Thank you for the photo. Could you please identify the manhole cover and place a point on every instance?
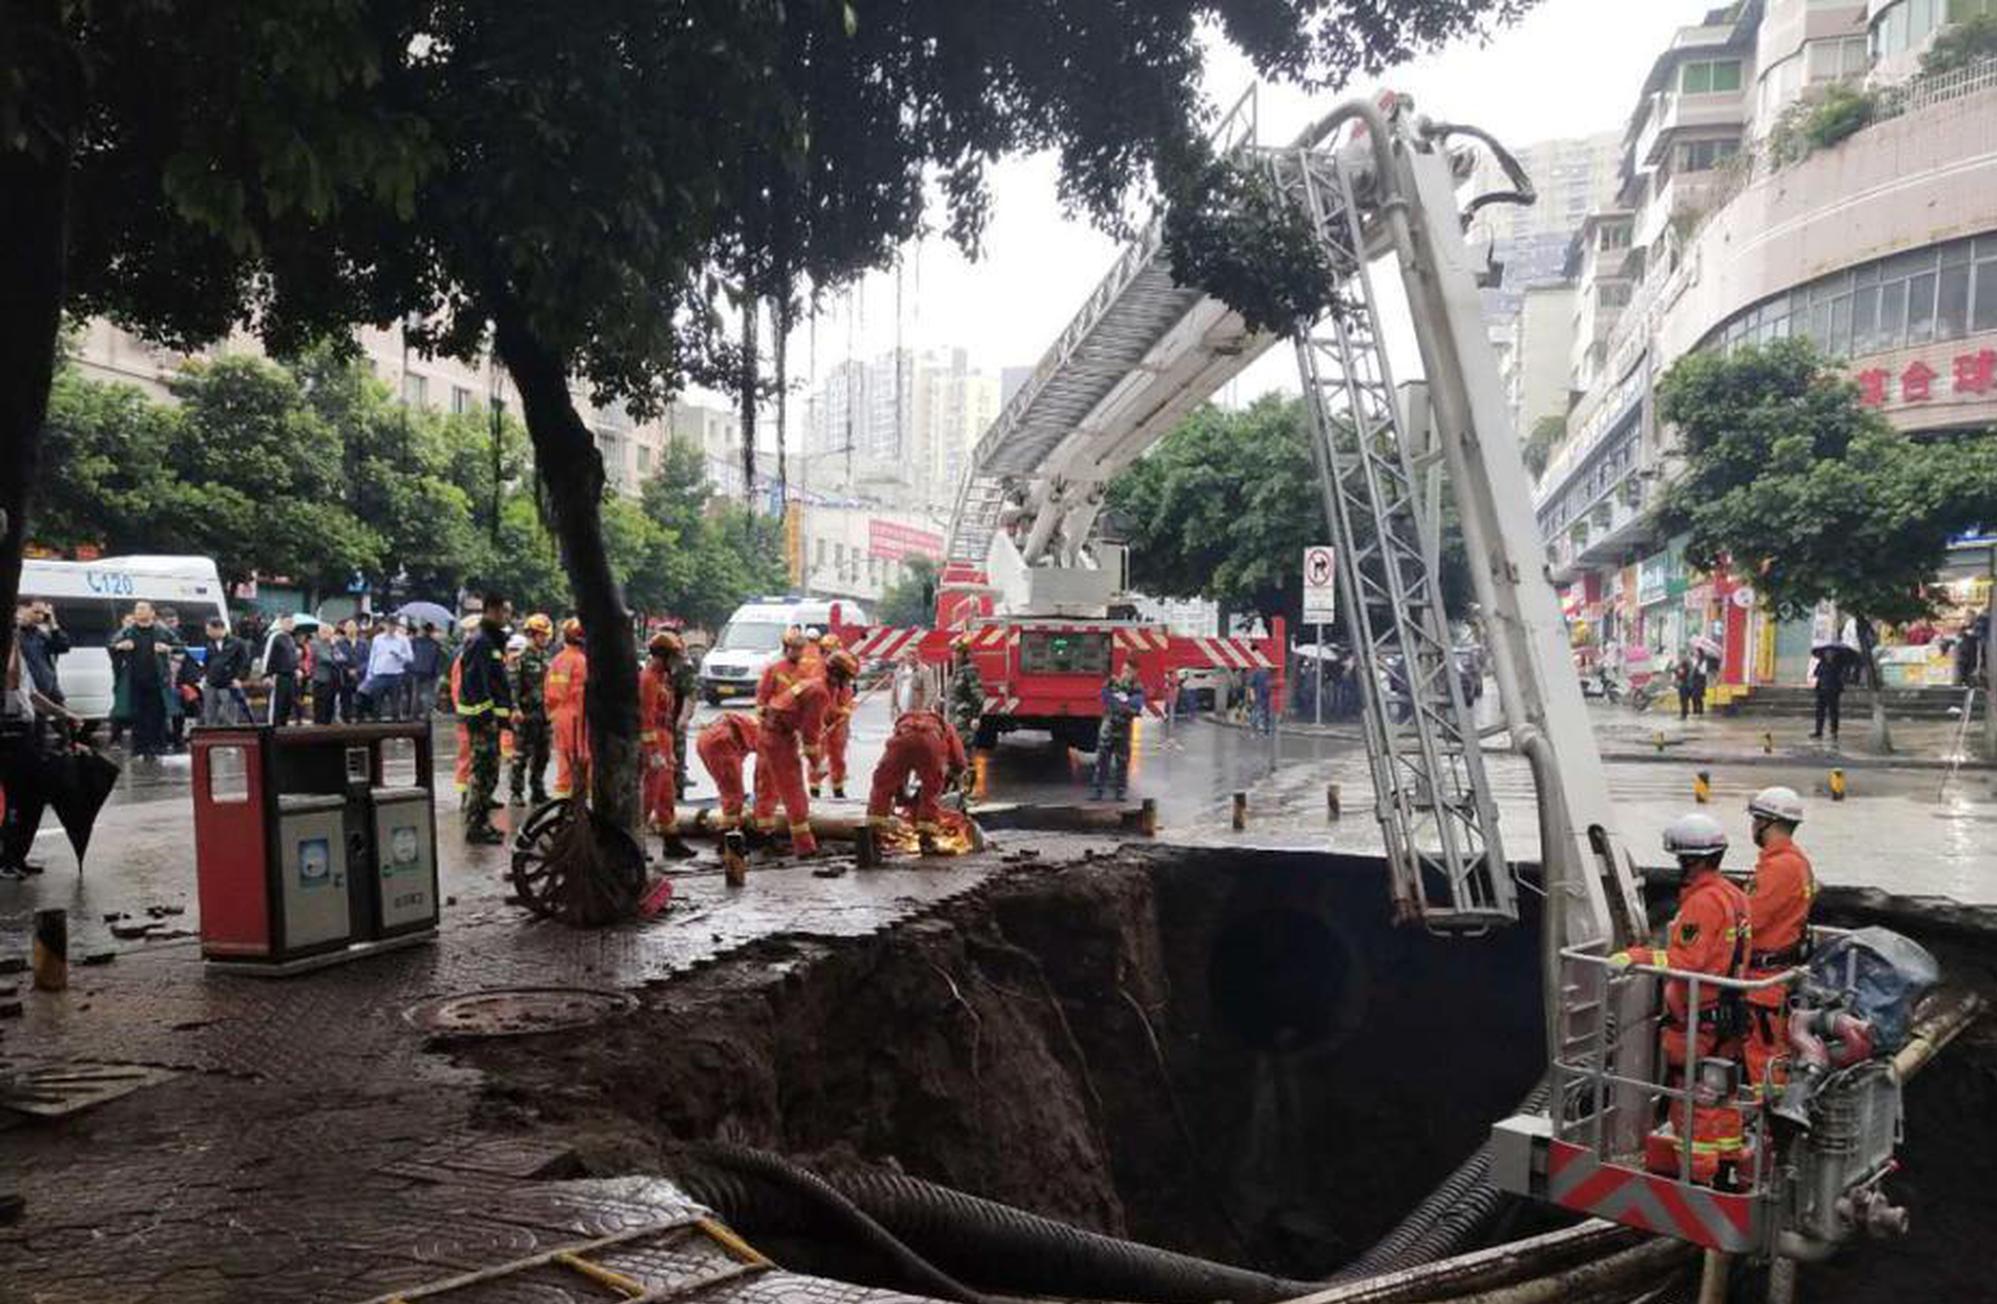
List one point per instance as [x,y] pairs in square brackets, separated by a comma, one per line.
[516,1011]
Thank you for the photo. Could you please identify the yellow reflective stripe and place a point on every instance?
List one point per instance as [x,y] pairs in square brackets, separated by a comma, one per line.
[474,708]
[801,828]
[879,821]
[1720,1146]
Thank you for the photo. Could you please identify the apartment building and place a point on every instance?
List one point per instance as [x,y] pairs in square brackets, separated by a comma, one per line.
[1882,249]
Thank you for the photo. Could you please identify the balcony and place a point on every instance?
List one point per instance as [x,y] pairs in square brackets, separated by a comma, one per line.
[1685,194]
[1674,111]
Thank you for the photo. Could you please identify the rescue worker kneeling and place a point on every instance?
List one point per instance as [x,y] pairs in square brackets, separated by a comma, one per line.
[1708,935]
[925,744]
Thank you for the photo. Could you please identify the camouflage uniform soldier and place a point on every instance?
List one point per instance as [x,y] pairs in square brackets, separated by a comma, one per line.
[484,705]
[967,694]
[530,713]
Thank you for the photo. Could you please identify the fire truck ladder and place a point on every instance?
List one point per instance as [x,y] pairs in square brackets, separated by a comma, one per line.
[1432,798]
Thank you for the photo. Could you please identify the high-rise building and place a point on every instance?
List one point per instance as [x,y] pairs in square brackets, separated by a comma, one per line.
[895,428]
[1572,178]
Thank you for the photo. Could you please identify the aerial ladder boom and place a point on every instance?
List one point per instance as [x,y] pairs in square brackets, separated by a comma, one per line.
[1378,185]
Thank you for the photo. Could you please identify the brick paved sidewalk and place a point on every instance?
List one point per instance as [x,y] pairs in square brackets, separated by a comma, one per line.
[311,1144]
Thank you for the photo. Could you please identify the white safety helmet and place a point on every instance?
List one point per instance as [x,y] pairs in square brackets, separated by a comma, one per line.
[1695,836]
[1777,803]
[517,643]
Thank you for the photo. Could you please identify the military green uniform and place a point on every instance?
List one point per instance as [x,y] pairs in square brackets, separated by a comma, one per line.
[686,688]
[967,701]
[484,706]
[531,733]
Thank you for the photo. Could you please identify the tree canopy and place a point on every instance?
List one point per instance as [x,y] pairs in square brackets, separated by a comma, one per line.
[1225,505]
[586,186]
[910,602]
[1794,484]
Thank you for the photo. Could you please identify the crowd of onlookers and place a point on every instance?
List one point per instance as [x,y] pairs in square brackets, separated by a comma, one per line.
[261,671]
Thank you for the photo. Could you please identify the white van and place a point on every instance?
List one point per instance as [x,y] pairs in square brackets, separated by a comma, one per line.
[753,637]
[92,599]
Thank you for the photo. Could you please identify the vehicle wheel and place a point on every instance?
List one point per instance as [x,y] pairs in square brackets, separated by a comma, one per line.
[986,737]
[573,866]
[1079,735]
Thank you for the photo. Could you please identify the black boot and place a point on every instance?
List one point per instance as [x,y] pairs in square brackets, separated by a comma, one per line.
[673,846]
[837,791]
[484,835]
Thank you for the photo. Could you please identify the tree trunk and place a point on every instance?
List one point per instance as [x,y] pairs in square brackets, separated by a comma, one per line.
[1881,740]
[34,208]
[749,398]
[572,470]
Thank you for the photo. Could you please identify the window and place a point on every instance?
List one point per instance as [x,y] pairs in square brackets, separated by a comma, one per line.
[1952,292]
[644,460]
[1961,11]
[1615,235]
[1983,301]
[1705,155]
[1836,60]
[415,389]
[461,399]
[1709,77]
[1616,294]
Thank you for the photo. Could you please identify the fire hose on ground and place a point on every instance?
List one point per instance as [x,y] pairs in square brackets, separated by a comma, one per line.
[933,1235]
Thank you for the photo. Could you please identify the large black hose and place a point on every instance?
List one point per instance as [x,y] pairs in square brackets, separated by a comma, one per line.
[706,1178]
[934,1234]
[1441,1225]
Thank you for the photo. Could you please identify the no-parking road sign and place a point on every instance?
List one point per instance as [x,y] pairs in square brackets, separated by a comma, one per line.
[1320,586]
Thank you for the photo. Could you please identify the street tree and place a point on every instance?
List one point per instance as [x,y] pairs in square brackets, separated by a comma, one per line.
[1793,484]
[105,470]
[258,478]
[583,188]
[1225,505]
[910,602]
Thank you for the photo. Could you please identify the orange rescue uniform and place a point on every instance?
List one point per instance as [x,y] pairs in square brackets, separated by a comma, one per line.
[568,681]
[832,745]
[1710,934]
[1778,903]
[461,771]
[926,744]
[723,746]
[657,705]
[793,719]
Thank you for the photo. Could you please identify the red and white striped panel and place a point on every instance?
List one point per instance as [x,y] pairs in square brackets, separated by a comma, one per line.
[886,642]
[1699,1214]
[990,638]
[1000,706]
[1144,639]
[1232,653]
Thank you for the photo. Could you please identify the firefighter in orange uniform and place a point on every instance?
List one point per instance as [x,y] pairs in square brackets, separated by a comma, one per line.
[927,745]
[723,746]
[1710,934]
[1778,904]
[791,710]
[461,772]
[658,710]
[840,669]
[568,681]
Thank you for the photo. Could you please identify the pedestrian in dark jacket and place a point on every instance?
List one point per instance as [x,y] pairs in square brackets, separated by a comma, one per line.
[141,656]
[1828,677]
[331,655]
[222,673]
[426,662]
[41,641]
[281,667]
[350,678]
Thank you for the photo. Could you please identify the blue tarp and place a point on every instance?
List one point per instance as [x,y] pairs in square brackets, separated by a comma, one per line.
[1884,975]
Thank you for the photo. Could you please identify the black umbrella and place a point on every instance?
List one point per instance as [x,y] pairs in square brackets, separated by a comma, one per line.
[79,781]
[71,779]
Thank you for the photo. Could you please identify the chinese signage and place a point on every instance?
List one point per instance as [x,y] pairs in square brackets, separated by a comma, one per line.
[890,541]
[1973,374]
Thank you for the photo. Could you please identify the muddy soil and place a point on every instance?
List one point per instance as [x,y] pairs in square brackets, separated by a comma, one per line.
[1231,1054]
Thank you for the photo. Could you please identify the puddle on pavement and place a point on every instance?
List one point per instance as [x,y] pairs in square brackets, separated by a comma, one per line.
[1226,1052]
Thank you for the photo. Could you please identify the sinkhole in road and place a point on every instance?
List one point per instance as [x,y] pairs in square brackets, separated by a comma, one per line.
[1230,1053]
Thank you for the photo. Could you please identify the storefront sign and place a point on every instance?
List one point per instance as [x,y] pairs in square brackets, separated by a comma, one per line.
[891,541]
[1698,597]
[1974,374]
[1653,579]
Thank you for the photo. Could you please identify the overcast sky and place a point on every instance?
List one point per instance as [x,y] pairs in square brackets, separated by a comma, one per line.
[1571,68]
